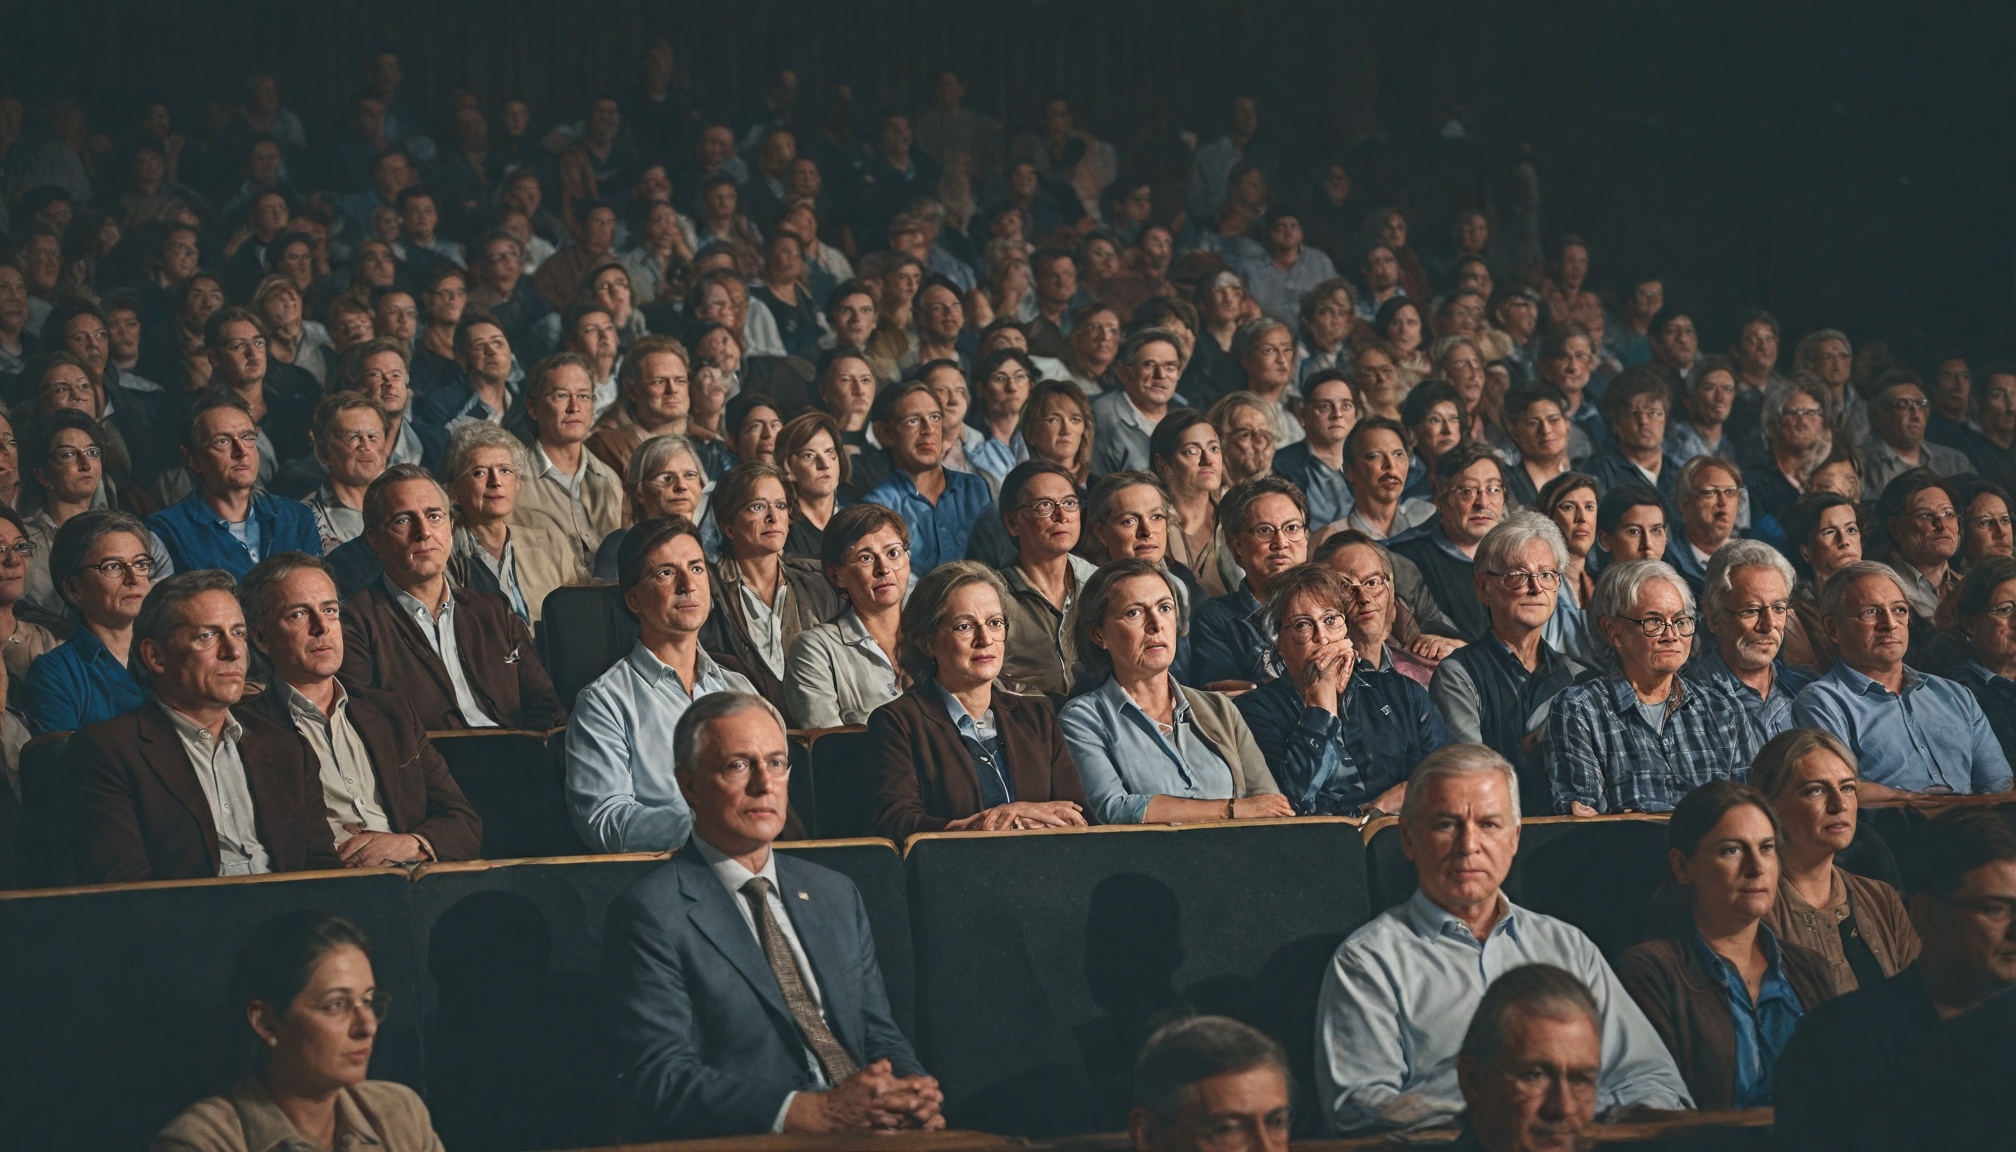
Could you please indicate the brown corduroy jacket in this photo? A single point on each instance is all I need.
(928, 779)
(383, 648)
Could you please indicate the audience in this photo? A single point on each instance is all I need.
(1531, 1063)
(1319, 463)
(1498, 691)
(1189, 457)
(461, 657)
(842, 670)
(226, 521)
(304, 986)
(102, 567)
(1204, 1078)
(1376, 468)
(389, 796)
(620, 795)
(1400, 991)
(1856, 923)
(1824, 534)
(1912, 733)
(24, 641)
(958, 750)
(739, 1011)
(179, 787)
(1043, 512)
(1641, 736)
(1858, 1072)
(1148, 364)
(1985, 608)
(1719, 987)
(1708, 492)
(940, 505)
(486, 472)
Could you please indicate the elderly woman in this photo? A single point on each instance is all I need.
(665, 478)
(838, 672)
(762, 598)
(485, 467)
(1002, 386)
(957, 753)
(102, 566)
(1341, 727)
(1570, 500)
(1151, 750)
(1265, 352)
(808, 450)
(1718, 972)
(1245, 427)
(1986, 656)
(1825, 533)
(1641, 737)
(21, 641)
(1185, 452)
(304, 982)
(1859, 925)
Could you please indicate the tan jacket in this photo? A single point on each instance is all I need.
(1880, 920)
(1220, 722)
(554, 535)
(1041, 655)
(376, 1114)
(615, 438)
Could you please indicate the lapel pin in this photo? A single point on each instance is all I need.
(803, 896)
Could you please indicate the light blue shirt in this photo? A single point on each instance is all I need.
(1279, 292)
(1932, 737)
(1125, 759)
(620, 791)
(997, 458)
(247, 532)
(1399, 995)
(938, 532)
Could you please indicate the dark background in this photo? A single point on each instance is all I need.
(1844, 164)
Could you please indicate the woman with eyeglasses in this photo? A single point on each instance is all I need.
(1641, 737)
(1151, 750)
(1044, 515)
(101, 564)
(66, 477)
(21, 641)
(666, 478)
(305, 984)
(839, 672)
(959, 752)
(762, 598)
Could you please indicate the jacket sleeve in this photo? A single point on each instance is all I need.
(539, 707)
(451, 826)
(110, 848)
(1214, 647)
(1637, 1067)
(1296, 745)
(1650, 986)
(881, 1038)
(1254, 778)
(1064, 781)
(50, 696)
(311, 817)
(358, 665)
(673, 1090)
(1455, 696)
(811, 695)
(897, 750)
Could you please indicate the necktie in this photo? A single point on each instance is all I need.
(784, 966)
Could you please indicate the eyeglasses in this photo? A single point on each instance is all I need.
(114, 569)
(1653, 626)
(1046, 508)
(741, 767)
(1265, 533)
(1899, 613)
(337, 1007)
(1728, 492)
(1800, 414)
(1518, 579)
(22, 548)
(1472, 491)
(1907, 404)
(1305, 628)
(1370, 588)
(965, 627)
(69, 391)
(1933, 517)
(68, 456)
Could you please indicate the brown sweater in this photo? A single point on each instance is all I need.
(928, 779)
(1880, 920)
(1690, 1011)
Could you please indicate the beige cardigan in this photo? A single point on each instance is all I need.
(247, 1120)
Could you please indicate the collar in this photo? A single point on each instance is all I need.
(1726, 972)
(411, 604)
(730, 871)
(1117, 698)
(1431, 920)
(1448, 546)
(1624, 697)
(303, 708)
(190, 730)
(200, 506)
(646, 664)
(1982, 675)
(967, 723)
(1858, 684)
(547, 466)
(854, 634)
(267, 1128)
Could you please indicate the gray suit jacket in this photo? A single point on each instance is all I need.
(706, 1043)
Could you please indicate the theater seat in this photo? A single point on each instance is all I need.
(47, 851)
(515, 783)
(1043, 958)
(583, 631)
(845, 782)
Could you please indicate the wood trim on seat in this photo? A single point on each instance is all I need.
(1123, 829)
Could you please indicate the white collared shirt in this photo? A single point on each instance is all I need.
(438, 625)
(220, 771)
(349, 785)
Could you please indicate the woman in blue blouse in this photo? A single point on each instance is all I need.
(101, 565)
(1149, 750)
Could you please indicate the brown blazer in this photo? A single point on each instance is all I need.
(814, 601)
(142, 814)
(383, 648)
(927, 774)
(1690, 1011)
(419, 795)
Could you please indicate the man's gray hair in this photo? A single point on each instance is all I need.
(1834, 597)
(161, 611)
(1530, 990)
(1501, 546)
(375, 497)
(1618, 589)
(1457, 760)
(713, 706)
(1737, 554)
(482, 434)
(1186, 1052)
(654, 454)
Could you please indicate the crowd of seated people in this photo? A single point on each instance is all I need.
(1090, 497)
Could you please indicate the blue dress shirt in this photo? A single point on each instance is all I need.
(1932, 737)
(938, 532)
(1769, 715)
(199, 538)
(1329, 497)
(1763, 1026)
(77, 683)
(1332, 766)
(997, 458)
(1124, 759)
(1229, 641)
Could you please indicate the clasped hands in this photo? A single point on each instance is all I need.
(873, 1099)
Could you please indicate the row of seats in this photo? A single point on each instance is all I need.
(1027, 967)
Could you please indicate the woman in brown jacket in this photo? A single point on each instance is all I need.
(1721, 990)
(957, 752)
(1858, 924)
(762, 598)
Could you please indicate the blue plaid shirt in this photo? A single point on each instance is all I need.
(1601, 751)
(1769, 715)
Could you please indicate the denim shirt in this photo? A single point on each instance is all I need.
(1125, 759)
(1763, 1027)
(1931, 737)
(938, 532)
(1769, 715)
(77, 683)
(1329, 764)
(199, 538)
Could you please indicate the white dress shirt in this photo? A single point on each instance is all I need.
(221, 773)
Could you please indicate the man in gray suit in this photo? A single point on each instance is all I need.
(748, 997)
